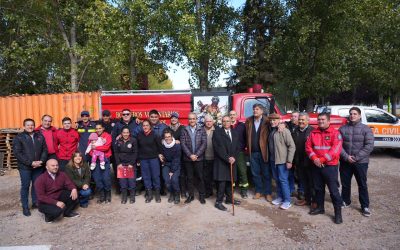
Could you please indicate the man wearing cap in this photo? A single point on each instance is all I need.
(85, 128)
(107, 121)
(126, 121)
(176, 129)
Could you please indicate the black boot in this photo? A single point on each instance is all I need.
(101, 198)
(149, 195)
(243, 193)
(338, 215)
(317, 210)
(132, 195)
(177, 198)
(124, 197)
(189, 199)
(157, 195)
(108, 196)
(202, 199)
(171, 197)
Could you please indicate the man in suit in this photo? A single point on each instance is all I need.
(226, 149)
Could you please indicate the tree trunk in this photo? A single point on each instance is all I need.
(380, 101)
(393, 102)
(310, 105)
(203, 76)
(132, 63)
(74, 74)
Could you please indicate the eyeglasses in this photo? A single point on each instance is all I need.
(126, 114)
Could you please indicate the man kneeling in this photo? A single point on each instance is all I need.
(56, 193)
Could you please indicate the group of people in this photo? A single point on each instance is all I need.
(61, 163)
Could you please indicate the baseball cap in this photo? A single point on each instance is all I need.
(84, 113)
(106, 113)
(175, 114)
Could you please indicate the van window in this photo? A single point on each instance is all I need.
(248, 106)
(378, 116)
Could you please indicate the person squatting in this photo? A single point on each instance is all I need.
(65, 167)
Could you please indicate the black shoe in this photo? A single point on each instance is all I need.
(189, 199)
(177, 198)
(220, 206)
(338, 215)
(243, 194)
(26, 212)
(157, 195)
(84, 205)
(202, 200)
(72, 215)
(366, 212)
(47, 219)
(34, 206)
(108, 196)
(344, 205)
(183, 195)
(162, 192)
(101, 197)
(317, 211)
(148, 195)
(132, 195)
(124, 196)
(171, 197)
(301, 196)
(235, 202)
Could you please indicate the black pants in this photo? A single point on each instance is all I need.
(304, 173)
(208, 176)
(359, 170)
(327, 175)
(194, 169)
(52, 211)
(223, 188)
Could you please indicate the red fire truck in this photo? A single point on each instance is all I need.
(185, 101)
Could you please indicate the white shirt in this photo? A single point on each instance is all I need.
(257, 123)
(228, 132)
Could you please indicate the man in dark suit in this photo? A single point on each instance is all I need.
(226, 149)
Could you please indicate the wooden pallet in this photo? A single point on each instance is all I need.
(6, 142)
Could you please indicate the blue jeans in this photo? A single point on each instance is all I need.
(281, 176)
(84, 196)
(173, 182)
(28, 176)
(260, 171)
(151, 173)
(102, 177)
(127, 183)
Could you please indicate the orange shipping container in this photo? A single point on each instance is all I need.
(14, 109)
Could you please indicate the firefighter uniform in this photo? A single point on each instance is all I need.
(325, 145)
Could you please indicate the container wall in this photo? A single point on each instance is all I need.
(14, 109)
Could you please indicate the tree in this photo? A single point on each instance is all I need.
(201, 32)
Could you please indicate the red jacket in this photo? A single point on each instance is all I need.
(49, 136)
(66, 143)
(106, 148)
(325, 145)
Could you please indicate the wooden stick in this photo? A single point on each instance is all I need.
(233, 200)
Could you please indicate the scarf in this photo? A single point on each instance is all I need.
(168, 145)
(175, 127)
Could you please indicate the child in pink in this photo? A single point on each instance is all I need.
(99, 141)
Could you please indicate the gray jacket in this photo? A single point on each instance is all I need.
(358, 140)
(284, 147)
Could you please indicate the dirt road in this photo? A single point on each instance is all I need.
(256, 225)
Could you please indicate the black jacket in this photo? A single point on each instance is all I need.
(223, 149)
(149, 145)
(27, 152)
(126, 152)
(300, 137)
(119, 125)
(172, 157)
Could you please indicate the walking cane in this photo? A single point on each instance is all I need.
(233, 200)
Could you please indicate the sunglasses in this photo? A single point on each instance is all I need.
(126, 114)
(84, 116)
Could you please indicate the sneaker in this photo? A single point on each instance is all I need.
(92, 166)
(72, 215)
(102, 165)
(285, 205)
(344, 205)
(365, 211)
(277, 201)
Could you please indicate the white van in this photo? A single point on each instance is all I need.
(386, 127)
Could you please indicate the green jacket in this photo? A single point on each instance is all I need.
(284, 147)
(78, 179)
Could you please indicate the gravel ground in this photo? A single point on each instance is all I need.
(256, 224)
